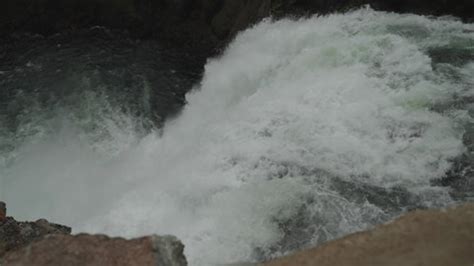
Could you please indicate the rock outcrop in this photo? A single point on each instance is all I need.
(15, 235)
(58, 250)
(42, 243)
(419, 238)
(3, 211)
(427, 237)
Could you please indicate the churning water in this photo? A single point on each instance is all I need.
(302, 131)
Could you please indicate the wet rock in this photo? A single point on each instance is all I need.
(444, 237)
(390, 200)
(460, 179)
(99, 250)
(51, 16)
(237, 15)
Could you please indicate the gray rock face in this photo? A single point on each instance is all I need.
(168, 250)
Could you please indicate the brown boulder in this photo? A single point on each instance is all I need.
(99, 250)
(3, 211)
(419, 238)
(15, 235)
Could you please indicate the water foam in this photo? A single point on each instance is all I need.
(250, 167)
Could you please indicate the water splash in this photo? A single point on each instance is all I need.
(302, 131)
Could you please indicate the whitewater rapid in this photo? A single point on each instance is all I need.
(300, 132)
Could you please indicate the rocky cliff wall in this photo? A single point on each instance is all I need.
(205, 23)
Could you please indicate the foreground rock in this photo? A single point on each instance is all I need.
(419, 238)
(15, 235)
(42, 243)
(99, 250)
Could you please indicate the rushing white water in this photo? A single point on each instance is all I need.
(253, 166)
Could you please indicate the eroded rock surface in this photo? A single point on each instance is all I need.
(431, 238)
(15, 235)
(44, 243)
(99, 250)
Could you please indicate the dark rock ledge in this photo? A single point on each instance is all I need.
(42, 243)
(199, 24)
